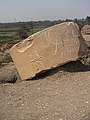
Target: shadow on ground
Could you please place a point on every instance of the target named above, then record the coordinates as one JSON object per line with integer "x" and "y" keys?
{"x": 74, "y": 66}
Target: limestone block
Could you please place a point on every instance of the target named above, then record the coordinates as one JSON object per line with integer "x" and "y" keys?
{"x": 86, "y": 30}
{"x": 47, "y": 49}
{"x": 86, "y": 34}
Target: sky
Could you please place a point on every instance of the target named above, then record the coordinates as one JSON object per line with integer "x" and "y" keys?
{"x": 36, "y": 10}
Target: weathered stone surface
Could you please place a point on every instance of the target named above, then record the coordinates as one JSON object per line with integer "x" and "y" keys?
{"x": 47, "y": 49}
{"x": 86, "y": 30}
{"x": 8, "y": 73}
{"x": 86, "y": 34}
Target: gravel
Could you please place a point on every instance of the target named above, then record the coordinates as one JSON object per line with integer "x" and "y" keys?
{"x": 60, "y": 94}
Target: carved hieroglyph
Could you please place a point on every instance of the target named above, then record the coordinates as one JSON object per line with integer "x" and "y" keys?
{"x": 47, "y": 49}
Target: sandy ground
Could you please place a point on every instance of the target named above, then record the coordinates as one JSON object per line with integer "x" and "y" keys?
{"x": 60, "y": 94}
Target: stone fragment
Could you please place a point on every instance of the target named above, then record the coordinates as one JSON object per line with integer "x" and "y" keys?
{"x": 86, "y": 34}
{"x": 47, "y": 49}
{"x": 8, "y": 73}
{"x": 86, "y": 30}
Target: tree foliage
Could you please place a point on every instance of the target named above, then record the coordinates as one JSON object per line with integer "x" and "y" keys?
{"x": 88, "y": 20}
{"x": 23, "y": 32}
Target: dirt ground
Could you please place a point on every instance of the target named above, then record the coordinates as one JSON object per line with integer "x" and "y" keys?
{"x": 60, "y": 94}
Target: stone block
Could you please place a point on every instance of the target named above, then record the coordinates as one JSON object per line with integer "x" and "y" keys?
{"x": 47, "y": 49}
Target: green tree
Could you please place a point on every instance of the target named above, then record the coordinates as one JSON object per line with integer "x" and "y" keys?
{"x": 23, "y": 32}
{"x": 31, "y": 27}
{"x": 88, "y": 20}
